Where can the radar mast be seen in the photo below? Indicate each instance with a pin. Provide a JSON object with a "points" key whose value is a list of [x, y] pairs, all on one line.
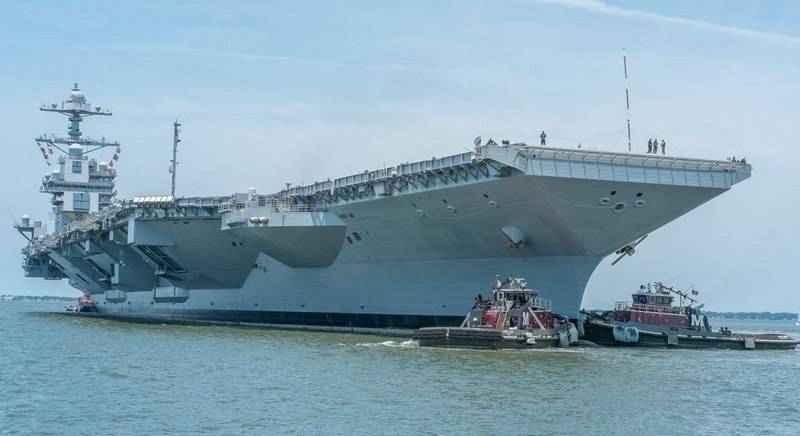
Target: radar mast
{"points": [[79, 185]]}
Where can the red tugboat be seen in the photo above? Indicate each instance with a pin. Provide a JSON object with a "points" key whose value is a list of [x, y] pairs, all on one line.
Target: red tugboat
{"points": [[653, 320], [84, 304], [514, 317]]}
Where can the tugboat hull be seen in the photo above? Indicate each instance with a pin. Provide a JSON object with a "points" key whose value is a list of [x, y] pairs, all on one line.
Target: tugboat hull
{"points": [[485, 339], [603, 333]]}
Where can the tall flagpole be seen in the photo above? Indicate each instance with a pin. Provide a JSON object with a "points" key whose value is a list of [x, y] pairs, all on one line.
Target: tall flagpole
{"points": [[627, 97]]}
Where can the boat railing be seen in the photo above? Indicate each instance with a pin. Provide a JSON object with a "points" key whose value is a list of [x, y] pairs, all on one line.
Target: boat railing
{"points": [[624, 305], [543, 303], [85, 224], [262, 201]]}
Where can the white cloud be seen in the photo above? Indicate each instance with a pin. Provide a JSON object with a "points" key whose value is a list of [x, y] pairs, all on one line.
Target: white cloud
{"points": [[600, 7]]}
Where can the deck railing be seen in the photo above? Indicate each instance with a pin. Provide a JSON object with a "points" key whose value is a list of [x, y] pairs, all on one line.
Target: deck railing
{"points": [[276, 204], [624, 305]]}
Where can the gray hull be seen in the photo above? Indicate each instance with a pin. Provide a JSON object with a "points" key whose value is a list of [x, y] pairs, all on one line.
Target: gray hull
{"points": [[414, 247]]}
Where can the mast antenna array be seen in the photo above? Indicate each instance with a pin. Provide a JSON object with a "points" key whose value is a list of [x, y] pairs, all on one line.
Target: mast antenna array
{"points": [[76, 108], [627, 97], [174, 162]]}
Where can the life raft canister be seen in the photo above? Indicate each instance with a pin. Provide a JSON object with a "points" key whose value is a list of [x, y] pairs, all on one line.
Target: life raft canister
{"points": [[490, 317]]}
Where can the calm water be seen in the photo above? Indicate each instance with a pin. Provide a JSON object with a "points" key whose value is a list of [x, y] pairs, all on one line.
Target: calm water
{"points": [[74, 376]]}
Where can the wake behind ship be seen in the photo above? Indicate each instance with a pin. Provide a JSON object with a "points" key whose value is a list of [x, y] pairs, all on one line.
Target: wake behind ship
{"points": [[396, 248]]}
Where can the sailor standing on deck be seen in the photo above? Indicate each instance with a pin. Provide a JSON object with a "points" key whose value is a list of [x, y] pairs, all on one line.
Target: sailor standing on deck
{"points": [[663, 147], [543, 137], [649, 146]]}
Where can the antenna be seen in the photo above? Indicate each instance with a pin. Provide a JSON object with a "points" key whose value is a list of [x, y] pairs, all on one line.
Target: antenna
{"points": [[174, 162], [77, 109], [627, 97]]}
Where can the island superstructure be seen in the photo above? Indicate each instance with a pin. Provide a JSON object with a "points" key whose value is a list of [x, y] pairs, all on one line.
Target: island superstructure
{"points": [[395, 248]]}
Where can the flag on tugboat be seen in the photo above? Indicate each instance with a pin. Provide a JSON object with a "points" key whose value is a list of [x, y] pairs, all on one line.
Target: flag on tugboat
{"points": [[497, 284]]}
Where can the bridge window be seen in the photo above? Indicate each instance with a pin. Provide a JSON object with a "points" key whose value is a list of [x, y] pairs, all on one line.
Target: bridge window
{"points": [[80, 201], [76, 167]]}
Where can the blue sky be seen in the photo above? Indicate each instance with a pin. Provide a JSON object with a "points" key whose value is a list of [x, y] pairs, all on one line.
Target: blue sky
{"points": [[300, 91]]}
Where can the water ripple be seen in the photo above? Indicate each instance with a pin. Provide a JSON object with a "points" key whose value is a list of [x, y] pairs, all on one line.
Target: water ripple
{"points": [[88, 376]]}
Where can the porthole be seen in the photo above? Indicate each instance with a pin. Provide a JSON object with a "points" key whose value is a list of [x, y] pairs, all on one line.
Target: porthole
{"points": [[605, 200], [349, 240], [639, 194], [492, 204], [619, 207], [640, 203], [420, 212], [613, 193], [451, 209], [356, 236]]}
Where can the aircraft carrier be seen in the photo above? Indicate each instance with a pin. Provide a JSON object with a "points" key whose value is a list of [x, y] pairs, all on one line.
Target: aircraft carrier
{"points": [[395, 248]]}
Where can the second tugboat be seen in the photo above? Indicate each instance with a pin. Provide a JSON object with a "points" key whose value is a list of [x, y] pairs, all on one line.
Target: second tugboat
{"points": [[84, 304], [652, 320], [514, 317]]}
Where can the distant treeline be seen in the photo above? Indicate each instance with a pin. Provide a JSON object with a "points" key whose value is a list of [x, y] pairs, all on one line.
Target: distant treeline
{"points": [[37, 298], [752, 315]]}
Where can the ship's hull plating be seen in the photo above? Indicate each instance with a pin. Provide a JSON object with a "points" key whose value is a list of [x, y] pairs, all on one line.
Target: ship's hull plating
{"points": [[412, 269]]}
